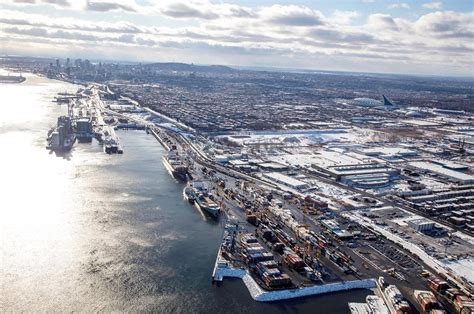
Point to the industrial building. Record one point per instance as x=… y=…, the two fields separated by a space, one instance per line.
x=334 y=227
x=363 y=175
x=421 y=224
x=442 y=170
x=273 y=166
x=286 y=180
x=388 y=152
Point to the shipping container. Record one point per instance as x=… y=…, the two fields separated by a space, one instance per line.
x=294 y=261
x=427 y=300
x=437 y=284
x=281 y=280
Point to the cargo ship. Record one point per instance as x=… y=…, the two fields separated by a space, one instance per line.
x=12 y=79
x=175 y=166
x=110 y=141
x=198 y=195
x=84 y=130
x=189 y=195
x=62 y=137
x=111 y=146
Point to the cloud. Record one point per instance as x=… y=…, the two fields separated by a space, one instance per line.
x=344 y=17
x=437 y=5
x=400 y=5
x=197 y=9
x=447 y=24
x=333 y=35
x=71 y=35
x=60 y=3
x=291 y=15
x=382 y=21
x=23 y=19
x=221 y=29
x=63 y=3
x=24 y=1
x=104 y=6
x=183 y=10
x=41 y=32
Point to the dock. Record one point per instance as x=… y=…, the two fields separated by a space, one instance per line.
x=156 y=133
x=222 y=270
x=89 y=113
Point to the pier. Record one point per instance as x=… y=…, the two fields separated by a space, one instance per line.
x=222 y=270
x=155 y=132
x=89 y=113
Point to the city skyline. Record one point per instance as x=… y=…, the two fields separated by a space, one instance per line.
x=412 y=37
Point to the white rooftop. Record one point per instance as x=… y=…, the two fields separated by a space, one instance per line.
x=285 y=179
x=460 y=176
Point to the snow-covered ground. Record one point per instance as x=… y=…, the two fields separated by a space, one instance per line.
x=463 y=267
x=464 y=236
x=304 y=137
x=329 y=190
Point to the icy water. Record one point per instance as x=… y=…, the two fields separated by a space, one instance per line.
x=89 y=231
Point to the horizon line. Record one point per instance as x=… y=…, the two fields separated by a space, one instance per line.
x=253 y=68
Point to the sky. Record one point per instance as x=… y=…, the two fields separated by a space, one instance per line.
x=382 y=36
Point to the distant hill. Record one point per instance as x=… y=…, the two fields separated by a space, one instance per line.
x=183 y=67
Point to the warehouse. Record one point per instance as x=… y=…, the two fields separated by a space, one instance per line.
x=363 y=170
x=443 y=171
x=334 y=227
x=421 y=224
x=286 y=180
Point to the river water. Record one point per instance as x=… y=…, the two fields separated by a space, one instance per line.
x=89 y=231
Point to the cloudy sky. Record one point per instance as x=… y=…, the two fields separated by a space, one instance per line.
x=408 y=36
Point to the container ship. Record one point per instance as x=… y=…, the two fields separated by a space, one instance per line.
x=175 y=166
x=197 y=194
x=62 y=137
